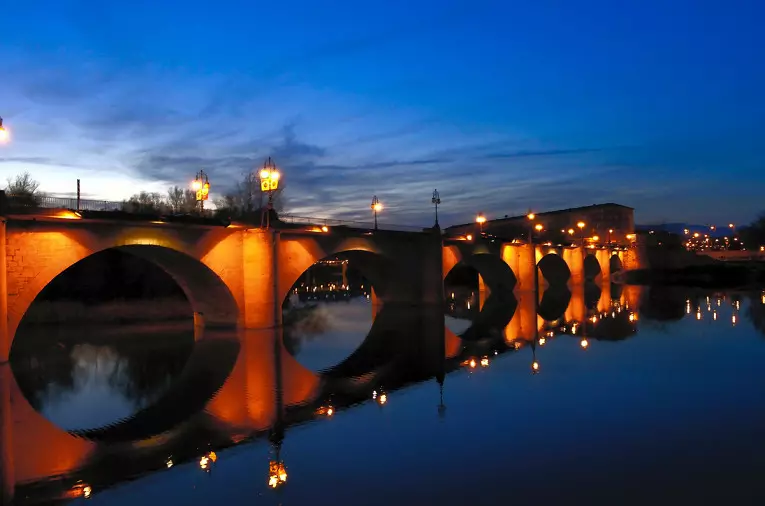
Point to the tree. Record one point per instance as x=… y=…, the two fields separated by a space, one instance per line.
x=181 y=200
x=753 y=235
x=246 y=200
x=24 y=189
x=146 y=202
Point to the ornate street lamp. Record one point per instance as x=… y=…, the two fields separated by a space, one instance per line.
x=201 y=185
x=435 y=201
x=376 y=208
x=4 y=135
x=269 y=183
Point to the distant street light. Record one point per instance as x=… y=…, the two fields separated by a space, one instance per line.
x=376 y=208
x=201 y=185
x=480 y=219
x=610 y=231
x=269 y=183
x=4 y=135
x=435 y=201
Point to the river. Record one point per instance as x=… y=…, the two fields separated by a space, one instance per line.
x=625 y=397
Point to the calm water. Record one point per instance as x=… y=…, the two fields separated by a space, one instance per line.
x=625 y=397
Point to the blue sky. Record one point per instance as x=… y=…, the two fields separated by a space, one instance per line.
x=502 y=106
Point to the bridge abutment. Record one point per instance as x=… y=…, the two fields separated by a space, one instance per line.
x=5 y=338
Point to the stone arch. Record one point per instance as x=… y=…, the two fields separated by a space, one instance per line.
x=554 y=269
x=591 y=267
x=302 y=252
x=496 y=273
x=207 y=293
x=615 y=262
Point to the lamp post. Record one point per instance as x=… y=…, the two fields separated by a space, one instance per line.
x=376 y=208
x=581 y=225
x=538 y=227
x=435 y=201
x=610 y=231
x=201 y=185
x=269 y=183
x=480 y=219
x=4 y=135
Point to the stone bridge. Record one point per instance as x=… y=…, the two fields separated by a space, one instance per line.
x=238 y=276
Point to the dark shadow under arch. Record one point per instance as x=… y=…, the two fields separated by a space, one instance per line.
x=554 y=269
x=495 y=314
x=592 y=294
x=204 y=289
x=554 y=302
x=591 y=267
x=496 y=274
x=615 y=263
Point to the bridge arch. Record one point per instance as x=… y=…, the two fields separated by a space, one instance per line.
x=554 y=269
x=592 y=267
x=303 y=252
x=496 y=273
x=206 y=292
x=615 y=263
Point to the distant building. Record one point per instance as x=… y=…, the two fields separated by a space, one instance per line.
x=598 y=220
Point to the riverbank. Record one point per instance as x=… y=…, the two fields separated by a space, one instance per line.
x=119 y=311
x=717 y=275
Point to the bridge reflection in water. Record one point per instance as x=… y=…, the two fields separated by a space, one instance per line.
x=241 y=386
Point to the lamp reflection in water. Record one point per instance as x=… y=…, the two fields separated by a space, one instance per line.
x=380 y=397
x=206 y=462
x=277 y=471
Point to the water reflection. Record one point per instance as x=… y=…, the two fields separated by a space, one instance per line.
x=321 y=334
x=79 y=382
x=378 y=399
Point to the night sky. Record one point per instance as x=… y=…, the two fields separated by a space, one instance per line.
x=502 y=106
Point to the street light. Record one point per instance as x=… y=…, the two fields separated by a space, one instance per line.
x=4 y=135
x=201 y=185
x=581 y=230
x=480 y=219
x=269 y=183
x=376 y=208
x=610 y=231
x=435 y=201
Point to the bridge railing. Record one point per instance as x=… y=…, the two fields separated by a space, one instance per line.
x=329 y=222
x=46 y=202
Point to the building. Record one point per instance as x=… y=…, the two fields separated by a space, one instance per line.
x=604 y=221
